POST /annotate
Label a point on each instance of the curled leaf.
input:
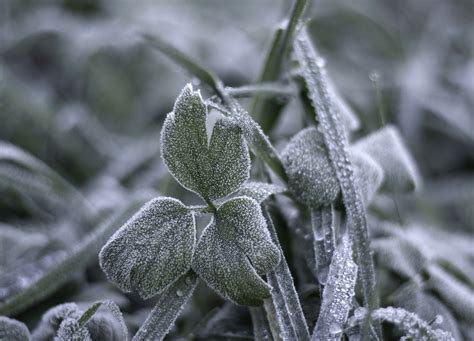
(311, 176)
(234, 250)
(13, 330)
(152, 250)
(212, 169)
(387, 148)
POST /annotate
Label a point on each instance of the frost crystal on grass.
(13, 330)
(152, 249)
(311, 176)
(386, 147)
(337, 295)
(410, 323)
(234, 250)
(213, 169)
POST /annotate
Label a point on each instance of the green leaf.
(152, 250)
(13, 330)
(259, 191)
(212, 169)
(387, 148)
(234, 250)
(312, 178)
(167, 308)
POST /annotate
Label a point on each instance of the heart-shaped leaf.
(312, 179)
(212, 169)
(234, 250)
(152, 249)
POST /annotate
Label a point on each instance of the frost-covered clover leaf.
(152, 250)
(212, 167)
(311, 176)
(234, 250)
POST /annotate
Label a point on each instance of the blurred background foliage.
(81, 91)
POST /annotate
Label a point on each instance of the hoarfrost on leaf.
(368, 173)
(387, 148)
(152, 250)
(234, 250)
(311, 177)
(13, 330)
(213, 169)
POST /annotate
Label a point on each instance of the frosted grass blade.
(167, 309)
(285, 298)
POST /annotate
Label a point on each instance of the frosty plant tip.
(158, 244)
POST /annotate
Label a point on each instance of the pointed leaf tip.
(152, 249)
(234, 250)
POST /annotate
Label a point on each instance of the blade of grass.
(168, 307)
(335, 138)
(285, 298)
(261, 327)
(267, 110)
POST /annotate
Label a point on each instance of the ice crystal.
(312, 178)
(13, 330)
(213, 169)
(152, 249)
(234, 250)
(386, 147)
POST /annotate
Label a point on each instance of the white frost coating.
(68, 322)
(410, 323)
(167, 309)
(368, 173)
(337, 295)
(386, 147)
(311, 177)
(259, 191)
(330, 124)
(213, 169)
(234, 250)
(13, 330)
(152, 249)
(348, 116)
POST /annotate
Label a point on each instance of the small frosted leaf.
(50, 322)
(259, 191)
(337, 294)
(368, 173)
(234, 250)
(213, 169)
(312, 178)
(104, 325)
(387, 148)
(13, 330)
(152, 249)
